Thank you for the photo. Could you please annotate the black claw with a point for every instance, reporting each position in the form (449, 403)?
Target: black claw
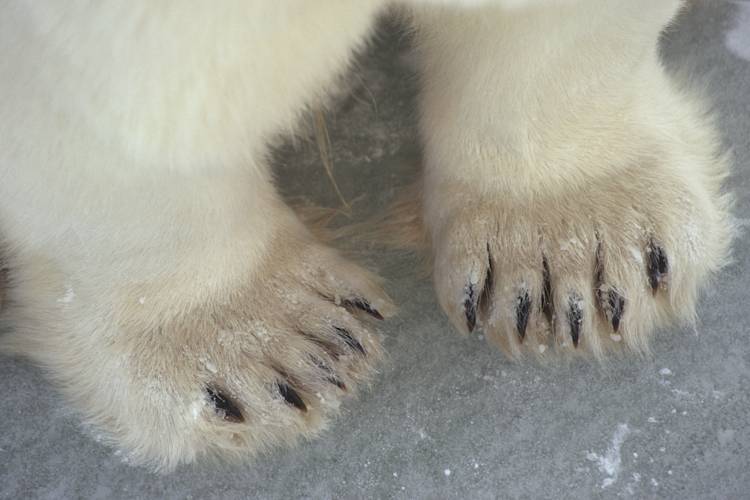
(470, 307)
(575, 318)
(291, 396)
(489, 279)
(547, 305)
(658, 265)
(350, 341)
(364, 305)
(333, 350)
(663, 262)
(331, 376)
(523, 310)
(475, 300)
(612, 305)
(337, 382)
(224, 406)
(617, 308)
(599, 265)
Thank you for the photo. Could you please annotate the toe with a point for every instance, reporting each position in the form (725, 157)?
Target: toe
(573, 297)
(224, 406)
(624, 295)
(348, 284)
(463, 279)
(657, 266)
(514, 309)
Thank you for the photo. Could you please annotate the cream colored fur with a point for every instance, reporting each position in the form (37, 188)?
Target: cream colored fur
(553, 134)
(168, 290)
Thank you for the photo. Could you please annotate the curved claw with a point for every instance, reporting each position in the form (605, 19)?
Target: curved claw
(547, 304)
(224, 406)
(475, 296)
(471, 303)
(616, 308)
(364, 305)
(291, 396)
(575, 318)
(657, 265)
(350, 340)
(330, 375)
(523, 311)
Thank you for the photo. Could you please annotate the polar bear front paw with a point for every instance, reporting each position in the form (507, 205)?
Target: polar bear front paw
(263, 364)
(579, 269)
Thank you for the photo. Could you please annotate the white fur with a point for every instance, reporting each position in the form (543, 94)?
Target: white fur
(555, 134)
(150, 256)
(135, 195)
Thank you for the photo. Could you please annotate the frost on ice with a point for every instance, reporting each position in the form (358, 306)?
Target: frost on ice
(611, 462)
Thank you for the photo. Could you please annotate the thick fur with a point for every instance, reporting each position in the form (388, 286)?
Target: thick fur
(555, 144)
(183, 308)
(143, 229)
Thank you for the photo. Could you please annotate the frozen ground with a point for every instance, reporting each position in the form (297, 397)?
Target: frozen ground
(449, 417)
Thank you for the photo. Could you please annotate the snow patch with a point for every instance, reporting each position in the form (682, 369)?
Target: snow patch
(636, 254)
(611, 462)
(195, 409)
(208, 365)
(634, 482)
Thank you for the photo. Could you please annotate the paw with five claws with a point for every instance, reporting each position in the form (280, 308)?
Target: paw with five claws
(586, 268)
